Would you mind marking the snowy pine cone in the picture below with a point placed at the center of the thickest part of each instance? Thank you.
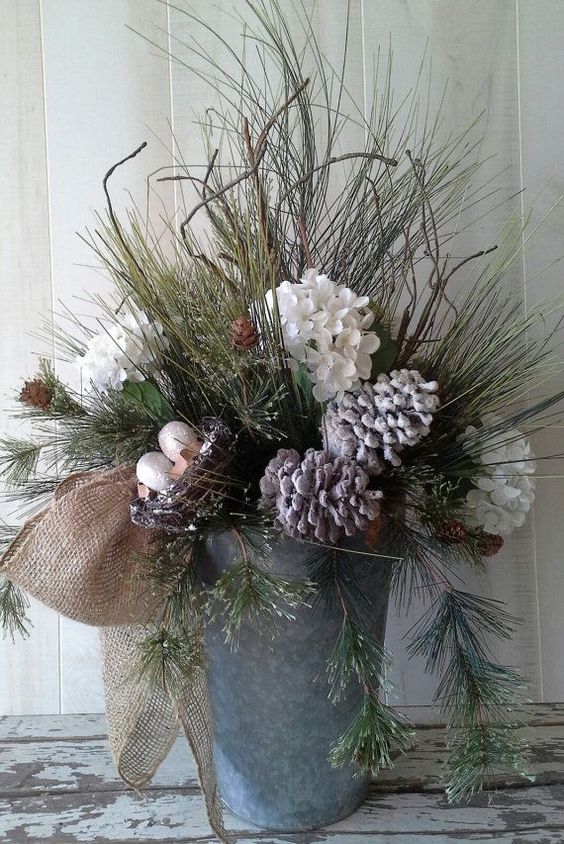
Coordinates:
(317, 496)
(380, 419)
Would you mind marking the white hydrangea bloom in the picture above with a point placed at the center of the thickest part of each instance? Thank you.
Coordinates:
(325, 326)
(119, 353)
(503, 497)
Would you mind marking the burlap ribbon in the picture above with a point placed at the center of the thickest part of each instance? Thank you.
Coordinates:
(83, 557)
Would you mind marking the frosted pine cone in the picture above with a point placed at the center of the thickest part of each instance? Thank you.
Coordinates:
(381, 419)
(318, 496)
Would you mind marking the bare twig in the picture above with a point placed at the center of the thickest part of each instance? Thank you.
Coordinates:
(110, 173)
(405, 320)
(439, 278)
(259, 191)
(209, 172)
(304, 241)
(469, 258)
(391, 162)
(115, 223)
(260, 150)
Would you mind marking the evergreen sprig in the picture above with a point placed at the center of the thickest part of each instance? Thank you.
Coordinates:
(19, 459)
(356, 655)
(368, 741)
(250, 591)
(477, 695)
(64, 404)
(478, 753)
(13, 610)
(376, 729)
(173, 649)
(168, 661)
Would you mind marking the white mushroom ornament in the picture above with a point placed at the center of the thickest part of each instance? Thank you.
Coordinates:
(157, 470)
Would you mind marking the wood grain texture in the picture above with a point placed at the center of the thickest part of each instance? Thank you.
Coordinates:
(166, 816)
(76, 81)
(542, 124)
(62, 787)
(30, 671)
(471, 46)
(57, 727)
(83, 764)
(105, 92)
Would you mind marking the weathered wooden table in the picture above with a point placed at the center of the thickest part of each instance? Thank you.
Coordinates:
(58, 784)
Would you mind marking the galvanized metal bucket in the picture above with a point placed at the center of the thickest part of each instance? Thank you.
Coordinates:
(274, 723)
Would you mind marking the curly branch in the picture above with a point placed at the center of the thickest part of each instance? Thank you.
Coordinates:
(260, 150)
(115, 223)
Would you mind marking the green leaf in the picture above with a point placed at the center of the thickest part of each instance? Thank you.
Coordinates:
(146, 394)
(310, 406)
(385, 357)
(305, 384)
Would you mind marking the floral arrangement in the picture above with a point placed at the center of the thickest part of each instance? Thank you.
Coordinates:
(309, 369)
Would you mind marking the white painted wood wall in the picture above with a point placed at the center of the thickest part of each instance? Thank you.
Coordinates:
(79, 90)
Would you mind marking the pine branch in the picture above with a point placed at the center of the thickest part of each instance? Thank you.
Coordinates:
(477, 754)
(168, 661)
(249, 592)
(19, 459)
(31, 494)
(13, 610)
(357, 655)
(174, 649)
(63, 403)
(114, 429)
(368, 741)
(476, 695)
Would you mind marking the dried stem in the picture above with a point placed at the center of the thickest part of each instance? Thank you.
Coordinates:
(260, 150)
(305, 243)
(259, 192)
(335, 159)
(115, 223)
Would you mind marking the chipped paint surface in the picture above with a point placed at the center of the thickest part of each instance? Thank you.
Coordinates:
(58, 784)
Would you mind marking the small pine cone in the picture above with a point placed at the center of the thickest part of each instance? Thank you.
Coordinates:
(381, 419)
(490, 543)
(244, 334)
(36, 393)
(452, 532)
(318, 496)
(373, 532)
(446, 396)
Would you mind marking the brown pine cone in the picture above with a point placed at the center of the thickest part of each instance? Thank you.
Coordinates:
(451, 531)
(490, 543)
(447, 396)
(244, 334)
(36, 393)
(373, 532)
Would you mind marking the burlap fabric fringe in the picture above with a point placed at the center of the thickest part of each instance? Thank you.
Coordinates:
(83, 557)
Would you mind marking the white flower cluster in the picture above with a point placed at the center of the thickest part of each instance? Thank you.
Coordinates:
(325, 326)
(503, 496)
(121, 352)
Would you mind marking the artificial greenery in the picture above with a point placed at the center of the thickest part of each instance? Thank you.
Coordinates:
(13, 609)
(280, 197)
(358, 657)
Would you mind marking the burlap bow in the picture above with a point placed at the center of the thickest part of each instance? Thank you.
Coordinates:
(83, 557)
